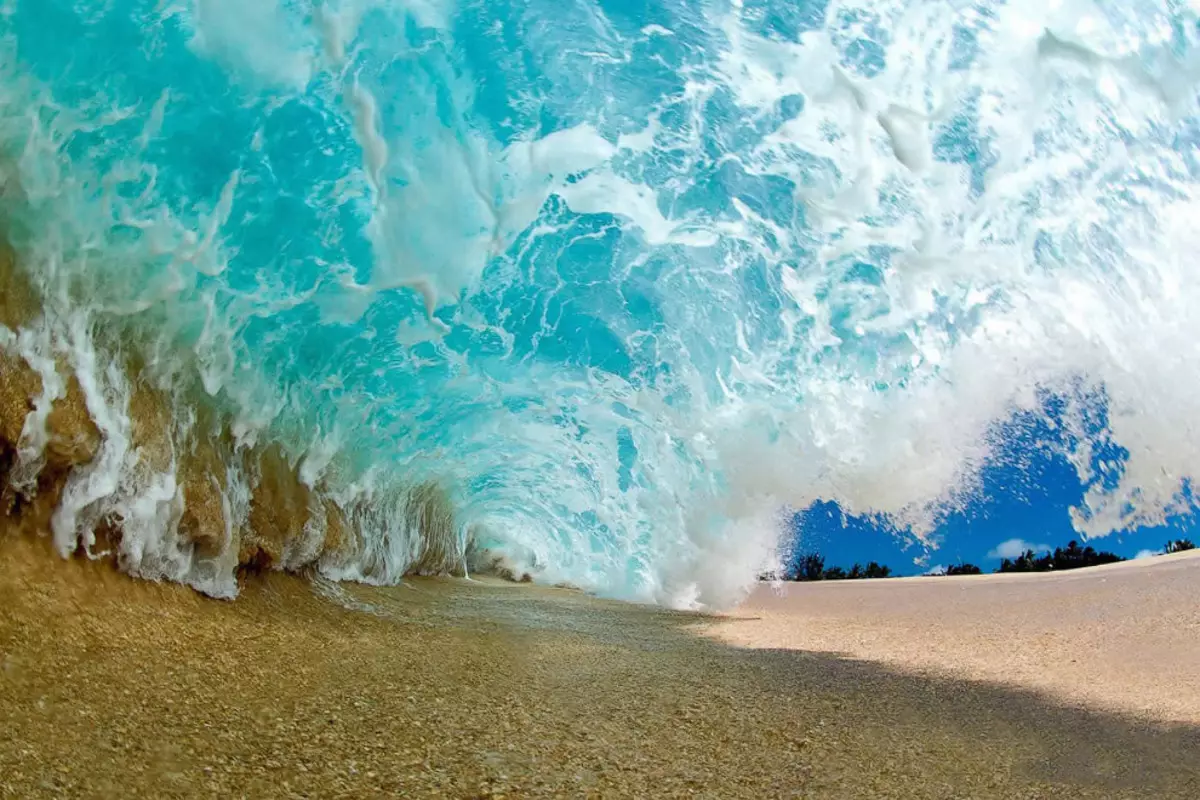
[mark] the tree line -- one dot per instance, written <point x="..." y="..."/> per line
<point x="811" y="566"/>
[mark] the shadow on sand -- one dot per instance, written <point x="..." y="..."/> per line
<point x="449" y="688"/>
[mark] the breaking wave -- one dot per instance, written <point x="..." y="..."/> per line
<point x="588" y="291"/>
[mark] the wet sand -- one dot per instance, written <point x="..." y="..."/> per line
<point x="443" y="688"/>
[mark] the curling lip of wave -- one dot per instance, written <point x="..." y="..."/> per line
<point x="552" y="289"/>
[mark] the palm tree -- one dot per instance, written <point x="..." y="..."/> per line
<point x="810" y="567"/>
<point x="1026" y="562"/>
<point x="877" y="570"/>
<point x="1179" y="545"/>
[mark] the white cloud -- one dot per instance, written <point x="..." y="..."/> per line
<point x="940" y="569"/>
<point x="1148" y="553"/>
<point x="1013" y="548"/>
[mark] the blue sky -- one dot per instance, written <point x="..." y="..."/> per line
<point x="1026" y="494"/>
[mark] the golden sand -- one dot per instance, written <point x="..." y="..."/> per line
<point x="1123" y="637"/>
<point x="111" y="687"/>
<point x="174" y="429"/>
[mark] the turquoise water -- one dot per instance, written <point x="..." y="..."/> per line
<point x="628" y="280"/>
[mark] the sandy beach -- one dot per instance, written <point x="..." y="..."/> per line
<point x="625" y="296"/>
<point x="1122" y="637"/>
<point x="1051" y="686"/>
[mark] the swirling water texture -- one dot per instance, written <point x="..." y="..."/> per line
<point x="627" y="279"/>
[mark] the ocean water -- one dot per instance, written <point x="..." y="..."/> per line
<point x="618" y="283"/>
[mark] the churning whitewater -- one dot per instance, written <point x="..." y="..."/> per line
<point x="585" y="290"/>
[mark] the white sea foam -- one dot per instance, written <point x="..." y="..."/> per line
<point x="622" y="325"/>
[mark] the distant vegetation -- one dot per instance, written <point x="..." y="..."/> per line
<point x="1070" y="557"/>
<point x="811" y="566"/>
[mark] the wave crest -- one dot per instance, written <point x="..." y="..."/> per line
<point x="392" y="286"/>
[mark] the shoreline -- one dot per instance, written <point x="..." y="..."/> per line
<point x="1121" y="637"/>
<point x="1129" y="563"/>
<point x="439" y="687"/>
